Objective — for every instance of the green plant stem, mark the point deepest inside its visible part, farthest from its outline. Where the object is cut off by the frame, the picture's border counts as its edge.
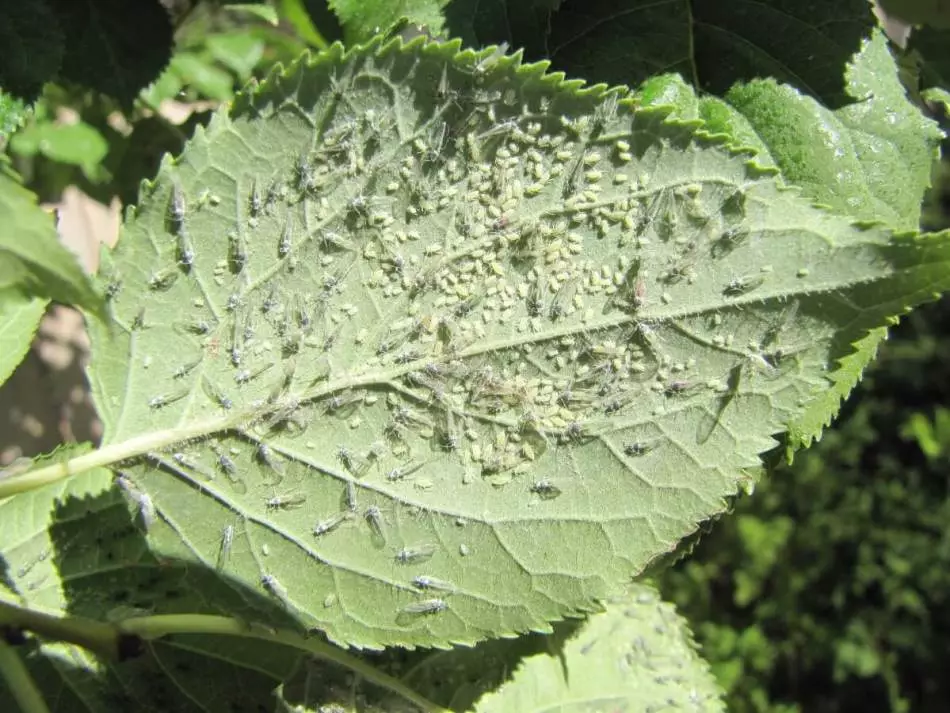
(159, 625)
(88, 633)
(103, 640)
(19, 681)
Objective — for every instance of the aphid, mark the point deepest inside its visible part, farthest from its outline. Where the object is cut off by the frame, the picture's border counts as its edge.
(425, 607)
(237, 251)
(285, 502)
(227, 540)
(562, 300)
(255, 204)
(146, 508)
(730, 239)
(339, 404)
(631, 289)
(271, 584)
(138, 322)
(245, 375)
(163, 279)
(545, 489)
(416, 554)
(404, 471)
(197, 326)
(186, 462)
(266, 457)
(741, 285)
(113, 288)
(286, 237)
(186, 253)
(163, 400)
(176, 207)
(357, 465)
(349, 496)
(218, 396)
(330, 241)
(331, 523)
(535, 299)
(374, 518)
(637, 448)
(185, 369)
(425, 582)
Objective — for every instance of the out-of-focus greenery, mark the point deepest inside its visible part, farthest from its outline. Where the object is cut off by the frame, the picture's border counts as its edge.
(829, 589)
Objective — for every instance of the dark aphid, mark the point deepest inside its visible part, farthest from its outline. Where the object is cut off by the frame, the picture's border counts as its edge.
(535, 299)
(198, 326)
(741, 285)
(176, 208)
(545, 489)
(637, 448)
(730, 239)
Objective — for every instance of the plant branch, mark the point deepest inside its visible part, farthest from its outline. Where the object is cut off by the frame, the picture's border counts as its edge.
(19, 681)
(125, 637)
(157, 626)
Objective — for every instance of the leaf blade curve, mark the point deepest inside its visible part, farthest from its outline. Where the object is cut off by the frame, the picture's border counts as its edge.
(455, 347)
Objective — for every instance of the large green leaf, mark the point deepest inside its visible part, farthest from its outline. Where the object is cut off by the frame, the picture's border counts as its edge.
(32, 260)
(362, 19)
(871, 159)
(712, 44)
(20, 317)
(446, 348)
(636, 656)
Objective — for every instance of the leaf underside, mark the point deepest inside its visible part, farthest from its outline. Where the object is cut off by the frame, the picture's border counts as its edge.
(423, 346)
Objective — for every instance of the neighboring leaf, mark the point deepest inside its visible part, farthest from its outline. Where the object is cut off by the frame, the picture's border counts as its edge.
(32, 41)
(75, 547)
(871, 159)
(935, 13)
(20, 317)
(13, 113)
(201, 73)
(296, 13)
(712, 44)
(32, 259)
(78, 144)
(114, 46)
(363, 19)
(458, 347)
(636, 656)
(524, 24)
(238, 51)
(931, 49)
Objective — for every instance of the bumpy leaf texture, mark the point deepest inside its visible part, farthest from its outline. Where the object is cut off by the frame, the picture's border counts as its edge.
(426, 347)
(636, 656)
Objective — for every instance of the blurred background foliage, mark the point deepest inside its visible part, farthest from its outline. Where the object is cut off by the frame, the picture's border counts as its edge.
(828, 590)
